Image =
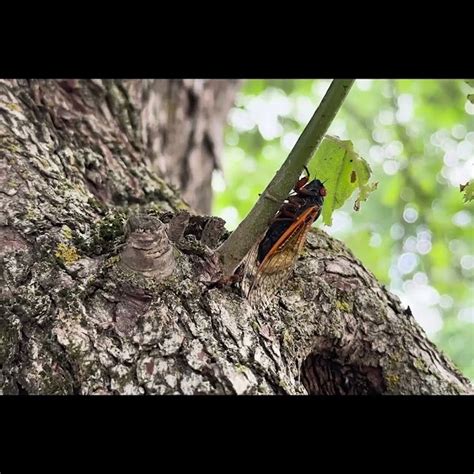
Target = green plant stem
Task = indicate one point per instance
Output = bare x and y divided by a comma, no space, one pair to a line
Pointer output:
234,249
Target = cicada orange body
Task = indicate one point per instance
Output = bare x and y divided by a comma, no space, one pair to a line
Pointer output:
271,259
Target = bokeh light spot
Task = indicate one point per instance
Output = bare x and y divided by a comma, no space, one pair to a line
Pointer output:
407,262
410,215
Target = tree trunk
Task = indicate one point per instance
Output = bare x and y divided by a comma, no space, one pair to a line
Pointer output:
99,296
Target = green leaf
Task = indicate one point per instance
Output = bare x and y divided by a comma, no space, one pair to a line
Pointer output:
343,171
468,190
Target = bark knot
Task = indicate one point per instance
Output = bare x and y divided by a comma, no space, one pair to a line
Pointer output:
148,249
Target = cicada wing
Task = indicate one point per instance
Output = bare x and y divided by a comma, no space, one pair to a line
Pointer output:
266,285
249,269
278,263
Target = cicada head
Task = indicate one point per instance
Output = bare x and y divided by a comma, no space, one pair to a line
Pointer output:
316,187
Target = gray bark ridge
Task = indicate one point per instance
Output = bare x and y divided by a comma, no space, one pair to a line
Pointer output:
106,284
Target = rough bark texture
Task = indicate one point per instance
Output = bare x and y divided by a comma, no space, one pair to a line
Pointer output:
182,130
96,301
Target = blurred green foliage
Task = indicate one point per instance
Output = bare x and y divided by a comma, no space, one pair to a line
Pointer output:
415,232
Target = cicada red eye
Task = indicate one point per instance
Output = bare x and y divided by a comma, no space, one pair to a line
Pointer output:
323,191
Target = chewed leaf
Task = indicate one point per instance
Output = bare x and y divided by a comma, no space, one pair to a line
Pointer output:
364,194
362,169
343,171
468,190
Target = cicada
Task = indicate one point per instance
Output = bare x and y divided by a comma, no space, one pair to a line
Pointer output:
268,264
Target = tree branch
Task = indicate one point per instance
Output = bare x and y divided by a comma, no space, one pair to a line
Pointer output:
234,249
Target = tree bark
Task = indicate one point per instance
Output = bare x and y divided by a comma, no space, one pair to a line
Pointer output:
106,266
